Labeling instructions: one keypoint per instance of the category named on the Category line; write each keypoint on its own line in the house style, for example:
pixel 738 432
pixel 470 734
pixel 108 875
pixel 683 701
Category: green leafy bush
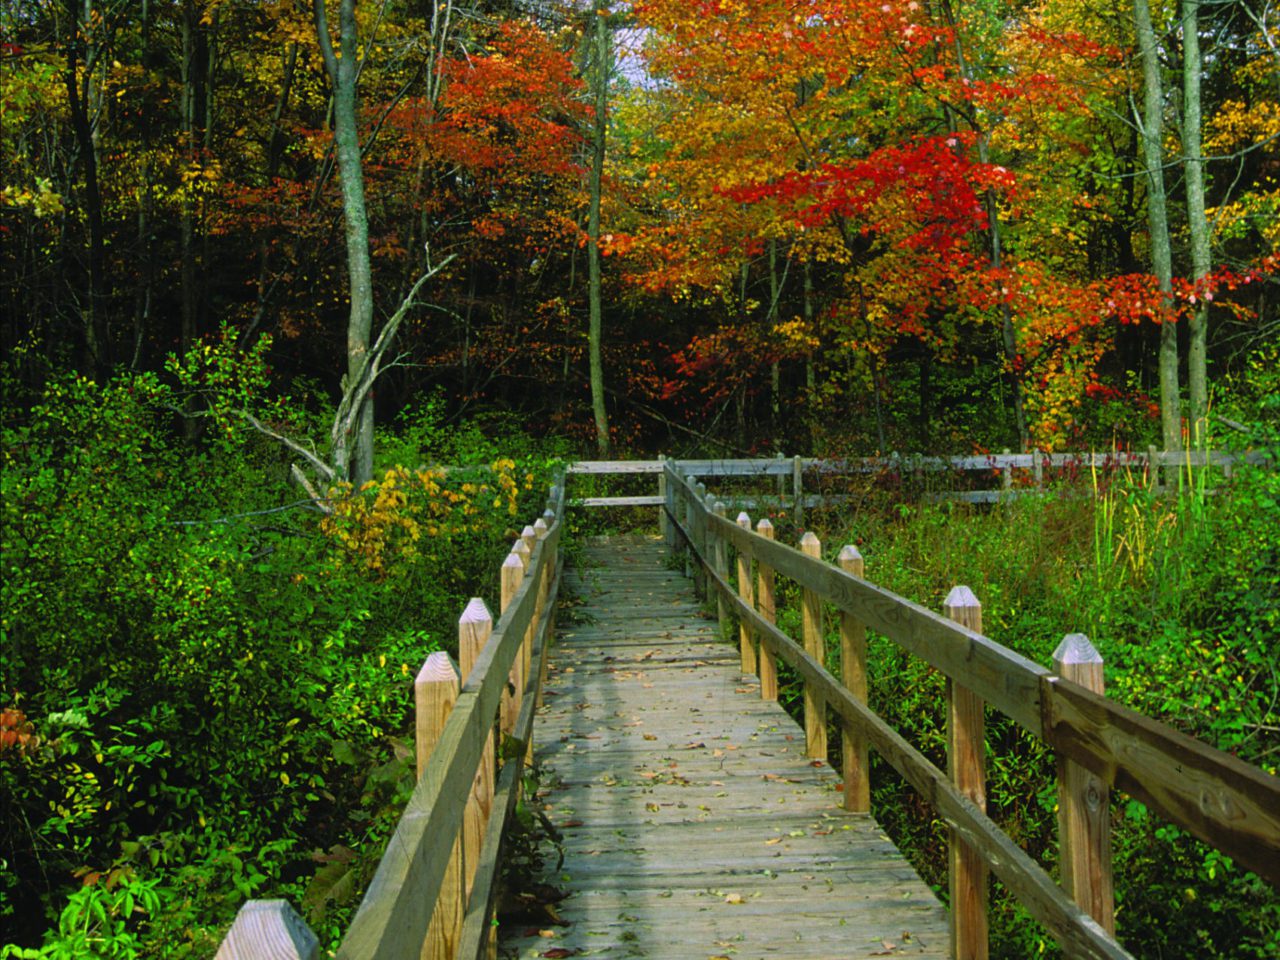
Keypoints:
pixel 212 679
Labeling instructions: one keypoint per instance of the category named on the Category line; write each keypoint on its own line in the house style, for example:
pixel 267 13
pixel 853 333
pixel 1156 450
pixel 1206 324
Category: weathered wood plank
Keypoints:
pixel 668 778
pixel 1222 800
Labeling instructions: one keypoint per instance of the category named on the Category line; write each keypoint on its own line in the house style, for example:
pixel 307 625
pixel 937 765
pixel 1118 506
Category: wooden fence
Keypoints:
pixel 1223 801
pixel 432 894
pixel 1015 473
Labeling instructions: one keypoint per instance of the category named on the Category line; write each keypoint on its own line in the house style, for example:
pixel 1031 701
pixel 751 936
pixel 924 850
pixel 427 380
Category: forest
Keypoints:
pixel 305 302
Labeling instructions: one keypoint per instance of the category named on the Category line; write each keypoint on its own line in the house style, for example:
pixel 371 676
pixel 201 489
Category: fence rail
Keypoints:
pixel 1218 798
pixel 1156 466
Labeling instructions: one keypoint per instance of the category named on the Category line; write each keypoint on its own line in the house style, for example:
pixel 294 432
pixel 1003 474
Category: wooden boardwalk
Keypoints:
pixel 694 827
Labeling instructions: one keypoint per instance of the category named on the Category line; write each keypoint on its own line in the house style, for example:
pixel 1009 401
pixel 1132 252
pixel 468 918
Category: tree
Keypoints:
pixel 1151 127
pixel 599 134
pixel 352 454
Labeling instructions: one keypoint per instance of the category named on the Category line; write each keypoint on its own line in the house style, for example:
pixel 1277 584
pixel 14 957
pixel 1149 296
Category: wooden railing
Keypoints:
pixel 432 895
pixel 1218 798
pixel 1016 473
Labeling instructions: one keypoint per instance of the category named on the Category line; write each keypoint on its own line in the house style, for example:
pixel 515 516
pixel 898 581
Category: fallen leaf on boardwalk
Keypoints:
pixel 556 953
pixel 731 746
pixel 770 842
pixel 888 949
pixel 651 807
pixel 572 823
pixel 695 745
pixel 733 898
pixel 717 753
pixel 547 934
pixel 650 736
pixel 742 690
pixel 718 956
pixel 815 763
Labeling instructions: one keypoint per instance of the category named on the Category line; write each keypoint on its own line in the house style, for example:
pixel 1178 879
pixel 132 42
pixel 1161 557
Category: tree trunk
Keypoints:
pixel 80 34
pixel 353 455
pixel 146 204
pixel 599 130
pixel 1152 126
pixel 192 76
pixel 1197 221
pixel 775 365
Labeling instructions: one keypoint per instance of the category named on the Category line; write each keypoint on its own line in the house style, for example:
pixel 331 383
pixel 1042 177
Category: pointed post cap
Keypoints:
pixel 960 596
pixel 850 560
pixel 1076 648
pixel 744 521
pixel 476 612
pixel 438 668
pixel 269 928
pixel 963 607
pixel 522 550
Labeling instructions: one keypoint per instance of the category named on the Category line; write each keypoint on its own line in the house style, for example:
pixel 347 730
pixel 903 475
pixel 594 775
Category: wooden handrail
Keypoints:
pixel 1217 797
pixel 393 917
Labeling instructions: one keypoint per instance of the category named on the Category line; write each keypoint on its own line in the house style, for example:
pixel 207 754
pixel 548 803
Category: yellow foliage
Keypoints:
pixel 381 524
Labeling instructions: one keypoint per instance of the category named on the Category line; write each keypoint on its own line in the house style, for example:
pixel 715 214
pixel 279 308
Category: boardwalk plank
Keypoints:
pixel 693 825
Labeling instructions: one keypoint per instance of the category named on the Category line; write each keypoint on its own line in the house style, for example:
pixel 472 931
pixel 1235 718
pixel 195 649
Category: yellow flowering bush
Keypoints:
pixel 385 521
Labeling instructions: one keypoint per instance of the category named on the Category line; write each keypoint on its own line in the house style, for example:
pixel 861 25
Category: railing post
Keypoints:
pixel 769 611
pixel 662 492
pixel 700 540
pixel 1006 479
pixel 720 552
pixel 815 709
pixel 512 574
pixel 687 513
pixel 797 490
pixel 1084 816
pixel 434 692
pixel 746 592
pixel 853 673
pixel 475 627
pixel 268 928
pixel 541 527
pixel 966 765
pixel 1153 467
pixel 670 493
